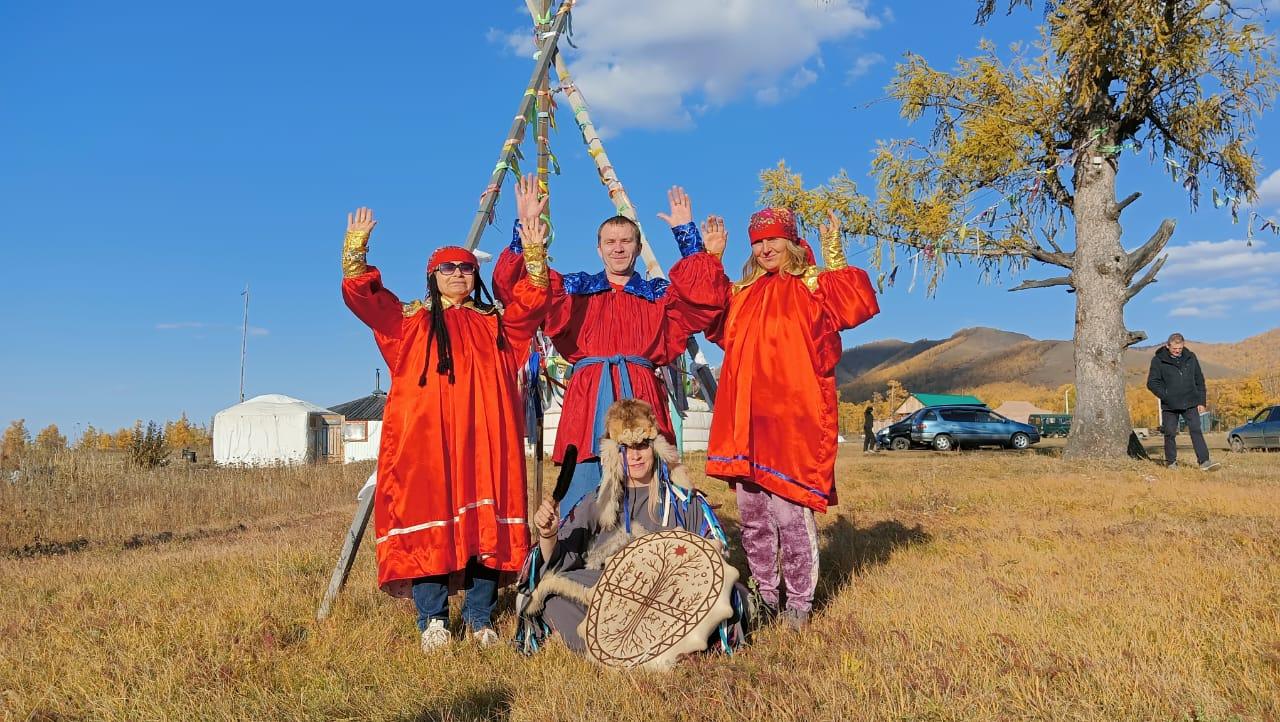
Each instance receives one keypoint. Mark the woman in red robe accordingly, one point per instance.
(773, 433)
(450, 493)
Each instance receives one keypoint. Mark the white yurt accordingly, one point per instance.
(696, 426)
(276, 429)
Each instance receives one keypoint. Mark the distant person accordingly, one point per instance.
(1176, 379)
(868, 431)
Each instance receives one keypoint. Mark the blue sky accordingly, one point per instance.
(155, 157)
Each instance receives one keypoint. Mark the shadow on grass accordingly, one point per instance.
(490, 702)
(849, 550)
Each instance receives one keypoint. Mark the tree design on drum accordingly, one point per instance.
(659, 598)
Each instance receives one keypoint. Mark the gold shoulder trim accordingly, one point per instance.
(809, 275)
(810, 278)
(413, 307)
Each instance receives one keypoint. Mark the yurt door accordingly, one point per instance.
(326, 438)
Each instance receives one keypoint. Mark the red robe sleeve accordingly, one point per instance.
(522, 314)
(847, 299)
(698, 293)
(379, 309)
(847, 296)
(507, 272)
(560, 324)
(696, 300)
(715, 331)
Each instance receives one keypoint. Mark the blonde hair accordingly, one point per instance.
(795, 263)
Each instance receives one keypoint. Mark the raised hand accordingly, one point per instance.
(714, 235)
(528, 203)
(681, 211)
(361, 221)
(533, 232)
(831, 228)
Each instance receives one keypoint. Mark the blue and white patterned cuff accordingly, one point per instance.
(688, 238)
(517, 246)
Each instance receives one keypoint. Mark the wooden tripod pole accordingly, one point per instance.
(546, 51)
(541, 11)
(622, 202)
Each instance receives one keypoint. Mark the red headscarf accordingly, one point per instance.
(778, 223)
(448, 254)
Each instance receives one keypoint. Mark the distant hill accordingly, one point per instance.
(974, 357)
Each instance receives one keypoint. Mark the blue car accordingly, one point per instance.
(945, 428)
(1261, 432)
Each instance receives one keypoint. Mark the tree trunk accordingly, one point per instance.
(1100, 427)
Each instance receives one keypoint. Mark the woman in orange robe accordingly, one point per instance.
(773, 434)
(450, 494)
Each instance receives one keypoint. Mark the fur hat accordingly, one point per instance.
(630, 421)
(626, 423)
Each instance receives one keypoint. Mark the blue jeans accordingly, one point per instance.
(431, 597)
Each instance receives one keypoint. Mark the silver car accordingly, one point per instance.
(1261, 432)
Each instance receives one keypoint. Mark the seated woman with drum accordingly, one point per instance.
(636, 574)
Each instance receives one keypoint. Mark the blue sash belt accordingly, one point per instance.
(606, 396)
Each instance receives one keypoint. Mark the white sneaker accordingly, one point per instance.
(486, 637)
(435, 636)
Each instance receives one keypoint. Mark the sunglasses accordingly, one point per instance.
(641, 445)
(448, 268)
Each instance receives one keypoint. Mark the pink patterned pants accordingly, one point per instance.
(773, 530)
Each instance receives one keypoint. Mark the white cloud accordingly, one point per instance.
(1222, 301)
(1269, 188)
(1217, 259)
(863, 65)
(652, 64)
(1218, 294)
(774, 94)
(1212, 311)
(769, 96)
(803, 78)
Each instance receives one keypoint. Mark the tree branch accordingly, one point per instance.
(1065, 260)
(1125, 204)
(1140, 257)
(1147, 279)
(1135, 337)
(975, 252)
(1054, 187)
(1046, 283)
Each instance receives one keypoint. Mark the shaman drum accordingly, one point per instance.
(662, 596)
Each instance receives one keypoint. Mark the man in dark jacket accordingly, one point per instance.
(1175, 378)
(868, 431)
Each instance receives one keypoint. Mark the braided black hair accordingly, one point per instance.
(483, 301)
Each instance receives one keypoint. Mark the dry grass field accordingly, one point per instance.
(975, 585)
